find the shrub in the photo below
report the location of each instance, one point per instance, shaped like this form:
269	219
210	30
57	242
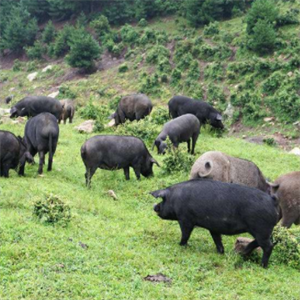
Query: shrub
157	53
176	160
211	29
287	249
273	83
117	49
61	44
123	68
83	50
31	66
148	36
143	23
66	92
149	84
36	51
49	33
185	62
52	210
100	25
194	71
289	18
214	71
160	115
17	66
129	35
142	129
263	38
90	111
175	76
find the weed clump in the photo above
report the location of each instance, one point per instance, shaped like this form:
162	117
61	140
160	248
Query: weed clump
52	210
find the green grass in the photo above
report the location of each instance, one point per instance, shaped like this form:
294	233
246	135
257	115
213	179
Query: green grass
126	240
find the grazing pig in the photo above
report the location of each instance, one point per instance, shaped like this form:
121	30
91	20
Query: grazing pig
222	167
41	136
179	130
221	208
33	105
116	152
132	107
68	111
287	189
13	154
180	105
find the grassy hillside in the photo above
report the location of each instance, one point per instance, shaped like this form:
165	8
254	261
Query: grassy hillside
111	245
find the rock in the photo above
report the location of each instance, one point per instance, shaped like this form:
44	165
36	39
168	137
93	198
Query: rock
158	278
4	111
290	74
295	151
54	94
241	243
111	123
49	67
32	76
229	111
112	194
244	136
269	119
11	89
86	127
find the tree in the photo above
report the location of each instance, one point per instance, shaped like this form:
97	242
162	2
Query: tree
101	25
20	30
48	33
263	37
261	10
84	49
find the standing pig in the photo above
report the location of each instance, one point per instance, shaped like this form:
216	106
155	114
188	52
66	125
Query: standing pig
68	111
33	105
133	107
13	154
179	130
111	152
221	208
180	105
287	189
41	136
222	167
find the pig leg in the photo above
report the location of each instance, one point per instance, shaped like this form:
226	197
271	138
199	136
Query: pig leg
267	247
250	247
189	145
42	161
126	172
194	140
5	170
288	220
218	242
137	171
186	230
22	170
89	174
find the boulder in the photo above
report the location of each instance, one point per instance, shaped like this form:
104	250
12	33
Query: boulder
32	76
86	127
295	151
49	67
54	94
4	111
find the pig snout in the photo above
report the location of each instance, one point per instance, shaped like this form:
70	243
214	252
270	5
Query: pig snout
156	208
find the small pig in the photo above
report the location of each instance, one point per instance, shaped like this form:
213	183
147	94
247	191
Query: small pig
222	208
222	167
68	111
182	129
287	189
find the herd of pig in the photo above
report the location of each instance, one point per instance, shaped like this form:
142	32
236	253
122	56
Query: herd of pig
225	195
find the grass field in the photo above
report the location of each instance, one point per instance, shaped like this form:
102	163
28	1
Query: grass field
111	245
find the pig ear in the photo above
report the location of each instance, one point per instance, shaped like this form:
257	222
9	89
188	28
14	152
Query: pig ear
273	186
207	169
13	110
160	193
154	161
219	117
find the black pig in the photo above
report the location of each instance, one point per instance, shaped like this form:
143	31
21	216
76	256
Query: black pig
222	208
111	152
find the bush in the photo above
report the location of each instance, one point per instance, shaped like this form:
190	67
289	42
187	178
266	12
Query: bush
66	92
142	129
101	25
287	248
90	111
117	49
289	18
17	66
52	210
157	53
143	23
194	71
149	84
263	38
129	35
123	68
160	115
49	33
83	50
273	83
211	29
148	37
175	76
36	51
176	160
